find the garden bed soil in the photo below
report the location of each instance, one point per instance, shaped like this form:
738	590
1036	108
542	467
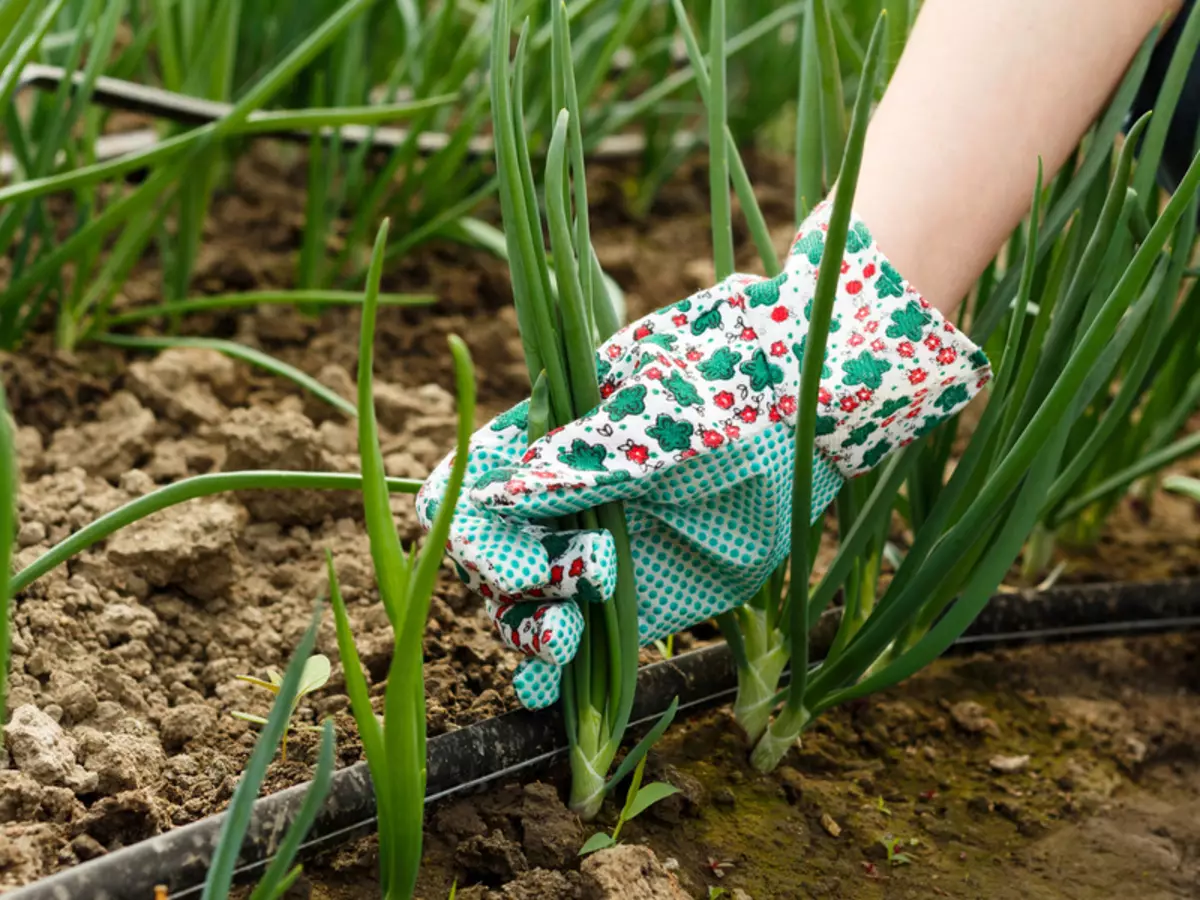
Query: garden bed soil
124	659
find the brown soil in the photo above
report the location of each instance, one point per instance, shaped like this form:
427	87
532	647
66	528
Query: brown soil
124	660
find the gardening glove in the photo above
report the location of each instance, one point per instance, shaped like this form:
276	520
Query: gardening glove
695	434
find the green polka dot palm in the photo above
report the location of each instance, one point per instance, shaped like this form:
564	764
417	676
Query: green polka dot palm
695	436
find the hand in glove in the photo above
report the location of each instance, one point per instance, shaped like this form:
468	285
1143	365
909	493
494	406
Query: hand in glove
695	436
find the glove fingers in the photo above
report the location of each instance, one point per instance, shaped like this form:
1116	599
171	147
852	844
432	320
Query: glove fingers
547	631
537	683
491	552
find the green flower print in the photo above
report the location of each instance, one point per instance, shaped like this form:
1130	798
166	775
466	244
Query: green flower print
603	367
811	245
584	456
682	391
683	306
707	321
859	435
858	239
798	350
909	322
891	407
517	417
671	434
556	544
497	475
826	425
720	366
630	401
765	293
876	453
888	283
763	373
866	369
666	341
586	592
463	575
953	396
835	322
978	359
613	477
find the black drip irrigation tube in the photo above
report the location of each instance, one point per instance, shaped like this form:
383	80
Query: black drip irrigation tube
521	743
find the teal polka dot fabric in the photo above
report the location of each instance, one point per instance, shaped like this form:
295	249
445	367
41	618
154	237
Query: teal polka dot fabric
695	435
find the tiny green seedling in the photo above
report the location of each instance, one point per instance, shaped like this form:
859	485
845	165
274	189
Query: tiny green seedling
637	801
715	892
882	807
894	857
667	647
316	675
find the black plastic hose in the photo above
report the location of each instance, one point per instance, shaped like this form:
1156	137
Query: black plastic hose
520	743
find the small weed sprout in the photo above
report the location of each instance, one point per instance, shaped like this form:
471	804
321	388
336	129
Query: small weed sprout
315	676
637	801
894	857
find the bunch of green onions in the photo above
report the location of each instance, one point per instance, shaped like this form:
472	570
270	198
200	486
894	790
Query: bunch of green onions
1075	304
560	324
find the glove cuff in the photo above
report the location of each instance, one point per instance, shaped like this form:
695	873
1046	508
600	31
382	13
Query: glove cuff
894	366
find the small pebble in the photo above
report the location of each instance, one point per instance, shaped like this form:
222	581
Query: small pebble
830	825
1009	765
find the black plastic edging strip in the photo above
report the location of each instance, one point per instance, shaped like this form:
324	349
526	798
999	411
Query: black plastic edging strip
522	742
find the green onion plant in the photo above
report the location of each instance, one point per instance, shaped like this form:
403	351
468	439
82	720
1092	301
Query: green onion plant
281	874
562	323
1076	316
395	742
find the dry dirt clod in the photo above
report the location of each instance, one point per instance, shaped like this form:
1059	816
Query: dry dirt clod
491	855
832	828
185	723
20	796
183	384
192	546
1009	765
552	833
117	441
628	872
39	746
972	718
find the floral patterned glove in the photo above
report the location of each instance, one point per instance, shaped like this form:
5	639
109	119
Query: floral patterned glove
695	435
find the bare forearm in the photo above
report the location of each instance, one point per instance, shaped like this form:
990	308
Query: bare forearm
984	88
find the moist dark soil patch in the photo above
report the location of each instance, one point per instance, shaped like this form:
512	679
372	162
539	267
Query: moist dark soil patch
124	660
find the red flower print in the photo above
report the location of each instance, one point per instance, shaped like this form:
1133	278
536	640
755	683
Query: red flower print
849	404
948	328
869	270
856	339
516	487
933	342
906	349
788	404
924	302
606	389
732	432
845	267
779	314
749	334
919	396
711	438
576	567
862	312
871	327
642	331
530	454
824	396
547	636
687	454
485	590
948	381
853	287
737	301
864	394
724	400
654	372
916	376
888	421
692	356
947	355
638	453
536	592
679	319
556	574
982	381
773	412
779	348
749	414
614	351
878	345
